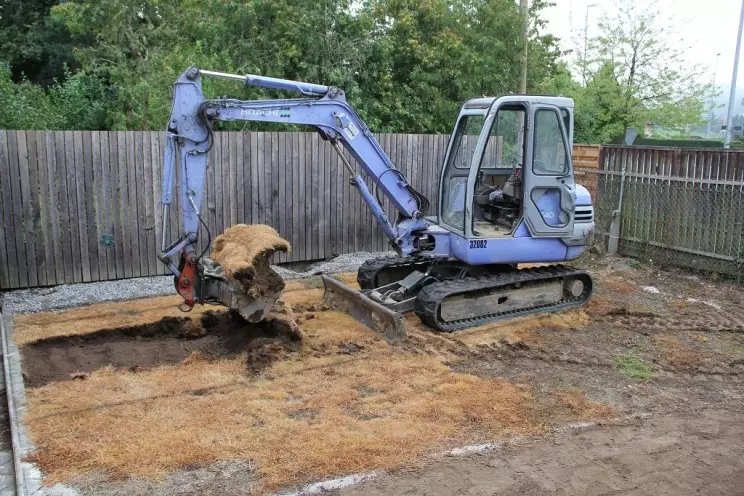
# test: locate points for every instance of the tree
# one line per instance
(36, 48)
(406, 66)
(657, 83)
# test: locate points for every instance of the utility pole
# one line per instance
(732, 91)
(586, 33)
(523, 12)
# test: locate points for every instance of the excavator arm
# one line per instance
(189, 138)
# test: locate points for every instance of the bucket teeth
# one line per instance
(370, 313)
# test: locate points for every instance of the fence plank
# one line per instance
(255, 180)
(37, 173)
(62, 154)
(149, 228)
(116, 154)
(314, 197)
(280, 174)
(91, 242)
(99, 202)
(32, 210)
(82, 223)
(146, 248)
(301, 196)
(108, 207)
(221, 185)
(126, 204)
(53, 173)
(325, 198)
(156, 163)
(293, 195)
(244, 192)
(16, 148)
(34, 236)
(8, 260)
(238, 190)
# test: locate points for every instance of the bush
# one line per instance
(82, 101)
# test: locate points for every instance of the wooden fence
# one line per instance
(682, 206)
(692, 163)
(586, 158)
(80, 206)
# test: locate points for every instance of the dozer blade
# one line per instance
(370, 313)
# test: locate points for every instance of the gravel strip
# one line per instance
(73, 295)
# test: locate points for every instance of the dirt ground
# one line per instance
(669, 454)
(663, 344)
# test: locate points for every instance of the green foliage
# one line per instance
(36, 48)
(81, 102)
(405, 66)
(634, 368)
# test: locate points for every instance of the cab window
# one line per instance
(457, 170)
(549, 152)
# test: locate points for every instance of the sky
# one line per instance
(707, 28)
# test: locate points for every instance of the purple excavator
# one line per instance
(507, 197)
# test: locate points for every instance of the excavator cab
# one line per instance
(507, 172)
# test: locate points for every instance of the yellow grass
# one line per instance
(380, 411)
(518, 329)
(83, 320)
(675, 353)
(320, 411)
(580, 406)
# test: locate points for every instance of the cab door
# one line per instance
(549, 188)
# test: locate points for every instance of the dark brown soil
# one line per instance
(168, 341)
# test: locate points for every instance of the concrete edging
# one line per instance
(27, 476)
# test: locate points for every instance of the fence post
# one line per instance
(614, 240)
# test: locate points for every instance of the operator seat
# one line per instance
(513, 190)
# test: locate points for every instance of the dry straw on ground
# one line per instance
(345, 401)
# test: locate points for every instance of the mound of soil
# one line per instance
(170, 340)
(244, 252)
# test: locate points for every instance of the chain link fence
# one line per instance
(694, 223)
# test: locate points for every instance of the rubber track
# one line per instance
(368, 271)
(430, 298)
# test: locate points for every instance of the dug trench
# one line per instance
(171, 340)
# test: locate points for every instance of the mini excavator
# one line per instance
(507, 196)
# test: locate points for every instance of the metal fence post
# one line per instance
(613, 242)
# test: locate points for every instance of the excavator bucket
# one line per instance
(243, 254)
(377, 317)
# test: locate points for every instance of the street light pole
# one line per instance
(712, 102)
(732, 91)
(524, 12)
(586, 33)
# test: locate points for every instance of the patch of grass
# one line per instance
(635, 263)
(739, 349)
(634, 368)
